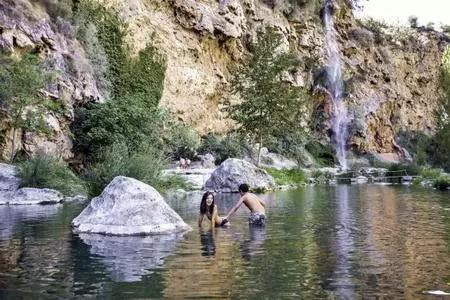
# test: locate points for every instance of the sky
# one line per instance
(398, 11)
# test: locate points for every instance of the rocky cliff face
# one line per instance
(390, 77)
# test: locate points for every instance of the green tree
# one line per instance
(268, 103)
(20, 82)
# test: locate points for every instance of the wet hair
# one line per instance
(244, 188)
(203, 205)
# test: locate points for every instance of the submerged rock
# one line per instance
(233, 172)
(129, 207)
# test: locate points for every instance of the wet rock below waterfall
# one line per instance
(233, 172)
(128, 207)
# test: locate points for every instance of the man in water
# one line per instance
(256, 206)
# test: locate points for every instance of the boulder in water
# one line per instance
(27, 196)
(233, 172)
(128, 207)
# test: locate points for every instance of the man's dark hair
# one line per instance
(244, 188)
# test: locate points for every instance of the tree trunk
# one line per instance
(13, 146)
(258, 161)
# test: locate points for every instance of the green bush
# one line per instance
(416, 142)
(144, 164)
(172, 182)
(287, 177)
(232, 145)
(323, 154)
(47, 172)
(403, 169)
(442, 183)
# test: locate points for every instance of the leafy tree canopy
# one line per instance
(269, 103)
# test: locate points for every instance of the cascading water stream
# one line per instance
(340, 118)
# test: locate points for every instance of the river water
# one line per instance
(342, 242)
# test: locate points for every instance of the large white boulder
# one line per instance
(128, 207)
(233, 172)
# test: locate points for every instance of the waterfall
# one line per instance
(340, 117)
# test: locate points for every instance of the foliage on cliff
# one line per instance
(269, 104)
(20, 82)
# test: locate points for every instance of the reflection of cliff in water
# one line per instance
(12, 249)
(128, 258)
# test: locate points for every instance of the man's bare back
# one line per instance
(253, 203)
(256, 206)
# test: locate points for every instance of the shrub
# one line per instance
(287, 177)
(416, 142)
(232, 145)
(172, 182)
(144, 164)
(442, 183)
(323, 154)
(47, 172)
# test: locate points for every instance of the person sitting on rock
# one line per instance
(209, 208)
(256, 206)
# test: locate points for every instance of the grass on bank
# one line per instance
(48, 172)
(287, 177)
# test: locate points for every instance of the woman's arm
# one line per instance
(200, 219)
(214, 217)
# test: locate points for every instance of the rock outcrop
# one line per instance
(27, 27)
(128, 207)
(390, 74)
(233, 172)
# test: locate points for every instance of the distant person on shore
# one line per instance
(182, 163)
(209, 208)
(256, 206)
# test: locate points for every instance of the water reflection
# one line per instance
(343, 242)
(13, 215)
(253, 246)
(128, 258)
(344, 246)
(208, 244)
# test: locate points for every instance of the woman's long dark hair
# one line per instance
(203, 205)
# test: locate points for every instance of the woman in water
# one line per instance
(209, 208)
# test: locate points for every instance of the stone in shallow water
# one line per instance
(232, 172)
(28, 196)
(129, 207)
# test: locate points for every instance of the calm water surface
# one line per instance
(343, 242)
